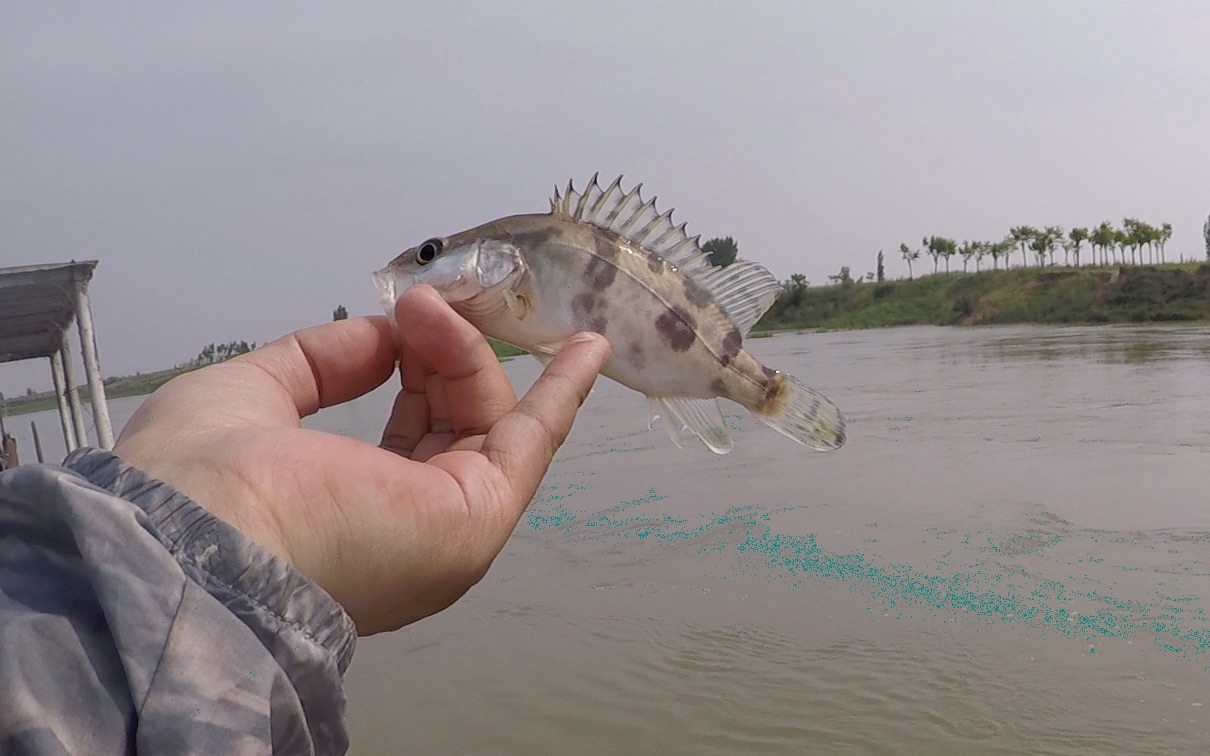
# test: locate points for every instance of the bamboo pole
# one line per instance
(73, 394)
(56, 373)
(92, 366)
(37, 441)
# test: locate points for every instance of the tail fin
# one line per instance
(803, 414)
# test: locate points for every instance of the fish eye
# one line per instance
(428, 251)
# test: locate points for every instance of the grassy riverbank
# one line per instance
(115, 388)
(1051, 295)
(1021, 295)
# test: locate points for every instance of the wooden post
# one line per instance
(73, 394)
(8, 452)
(92, 366)
(37, 441)
(56, 373)
(8, 444)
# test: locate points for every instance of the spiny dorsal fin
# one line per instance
(744, 289)
(629, 216)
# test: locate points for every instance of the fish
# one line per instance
(607, 261)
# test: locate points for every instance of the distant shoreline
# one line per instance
(1053, 295)
(142, 384)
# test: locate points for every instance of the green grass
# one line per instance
(1030, 295)
(505, 351)
(115, 388)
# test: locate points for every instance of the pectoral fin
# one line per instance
(517, 304)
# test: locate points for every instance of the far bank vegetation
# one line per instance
(1085, 275)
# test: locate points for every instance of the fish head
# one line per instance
(460, 268)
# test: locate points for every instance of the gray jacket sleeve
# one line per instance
(133, 621)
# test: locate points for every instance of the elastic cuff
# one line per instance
(277, 601)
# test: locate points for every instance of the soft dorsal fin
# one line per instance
(744, 289)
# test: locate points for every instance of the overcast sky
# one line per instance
(238, 169)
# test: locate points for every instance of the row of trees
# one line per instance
(1135, 242)
(212, 353)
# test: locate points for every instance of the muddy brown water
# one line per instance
(1010, 555)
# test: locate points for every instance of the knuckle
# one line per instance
(552, 437)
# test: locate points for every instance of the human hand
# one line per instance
(394, 532)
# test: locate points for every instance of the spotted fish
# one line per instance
(607, 261)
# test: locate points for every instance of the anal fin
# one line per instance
(657, 407)
(702, 416)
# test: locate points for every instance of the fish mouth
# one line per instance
(390, 283)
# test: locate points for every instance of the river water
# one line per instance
(1010, 555)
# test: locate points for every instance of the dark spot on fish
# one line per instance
(607, 249)
(676, 327)
(635, 353)
(582, 305)
(697, 294)
(655, 263)
(600, 273)
(719, 386)
(732, 343)
(534, 238)
(598, 324)
(773, 387)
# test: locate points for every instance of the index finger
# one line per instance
(523, 442)
(441, 343)
(328, 364)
